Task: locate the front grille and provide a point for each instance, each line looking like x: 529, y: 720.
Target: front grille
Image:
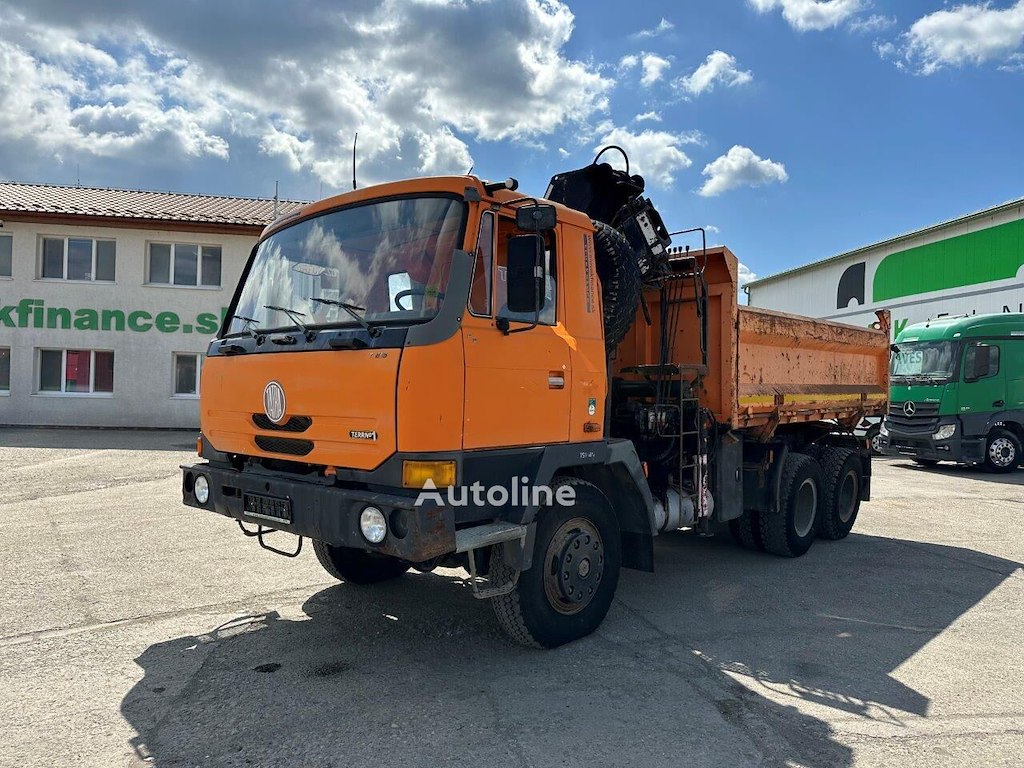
x: 285, y: 445
x: 294, y: 424
x: 925, y: 418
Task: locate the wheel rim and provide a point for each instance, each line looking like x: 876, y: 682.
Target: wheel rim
x: 574, y: 565
x: 1001, y: 451
x: 805, y: 507
x: 848, y: 493
x: 876, y: 443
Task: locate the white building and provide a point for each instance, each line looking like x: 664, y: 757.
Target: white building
x: 971, y: 265
x: 108, y: 299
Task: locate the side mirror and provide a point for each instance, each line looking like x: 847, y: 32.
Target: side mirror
x: 524, y: 276
x: 536, y: 218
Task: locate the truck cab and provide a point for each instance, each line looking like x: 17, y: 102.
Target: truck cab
x: 957, y: 392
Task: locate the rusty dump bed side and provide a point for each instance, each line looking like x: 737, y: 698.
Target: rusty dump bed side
x: 764, y: 368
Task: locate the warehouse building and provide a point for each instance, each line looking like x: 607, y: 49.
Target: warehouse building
x: 109, y: 297
x: 970, y: 265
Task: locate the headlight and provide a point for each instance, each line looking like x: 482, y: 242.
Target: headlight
x: 883, y: 430
x: 373, y: 525
x: 945, y: 432
x: 201, y: 489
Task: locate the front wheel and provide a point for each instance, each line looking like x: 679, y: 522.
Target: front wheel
x: 1002, y: 451
x: 875, y: 439
x: 567, y: 592
x: 356, y: 566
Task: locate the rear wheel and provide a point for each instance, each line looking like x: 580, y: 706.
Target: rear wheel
x: 791, y: 530
x: 566, y: 594
x: 746, y: 530
x: 356, y: 566
x: 1002, y: 451
x: 842, y: 478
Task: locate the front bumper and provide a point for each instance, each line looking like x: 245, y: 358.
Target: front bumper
x: 957, y: 448
x: 328, y: 513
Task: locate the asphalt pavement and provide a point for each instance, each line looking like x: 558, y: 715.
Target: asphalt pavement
x: 135, y: 631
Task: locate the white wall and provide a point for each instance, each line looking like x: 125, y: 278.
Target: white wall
x: 143, y: 365
x: 813, y: 292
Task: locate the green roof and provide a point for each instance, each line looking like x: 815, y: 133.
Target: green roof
x: 972, y: 326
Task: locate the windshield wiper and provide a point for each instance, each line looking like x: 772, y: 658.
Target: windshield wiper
x: 256, y: 335
x: 294, y: 316
x: 352, y: 309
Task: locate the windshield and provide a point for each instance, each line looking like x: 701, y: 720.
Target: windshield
x: 930, y: 360
x: 385, y: 261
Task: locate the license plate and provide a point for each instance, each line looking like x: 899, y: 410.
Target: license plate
x: 267, y: 507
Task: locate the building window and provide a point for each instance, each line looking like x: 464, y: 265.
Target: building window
x: 76, y: 371
x: 5, y: 370
x: 6, y: 251
x: 77, y: 258
x: 184, y: 264
x: 187, y: 368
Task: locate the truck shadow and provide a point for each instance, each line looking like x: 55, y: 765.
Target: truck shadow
x: 706, y: 659
x: 971, y: 472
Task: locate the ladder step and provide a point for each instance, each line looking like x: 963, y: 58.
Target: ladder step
x: 485, y: 535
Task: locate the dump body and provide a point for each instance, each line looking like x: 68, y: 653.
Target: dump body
x: 763, y: 368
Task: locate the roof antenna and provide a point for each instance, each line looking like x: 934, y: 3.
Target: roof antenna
x: 78, y: 174
x: 470, y: 171
x: 354, y: 142
x: 275, y: 200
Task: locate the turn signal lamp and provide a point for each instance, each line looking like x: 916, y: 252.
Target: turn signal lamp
x: 416, y: 473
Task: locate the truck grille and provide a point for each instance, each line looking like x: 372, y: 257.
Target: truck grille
x: 294, y: 424
x: 924, y: 419
x: 285, y: 445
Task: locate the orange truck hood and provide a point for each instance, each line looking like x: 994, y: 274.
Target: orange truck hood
x: 348, y: 395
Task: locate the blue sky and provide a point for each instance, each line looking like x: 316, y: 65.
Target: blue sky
x: 796, y: 128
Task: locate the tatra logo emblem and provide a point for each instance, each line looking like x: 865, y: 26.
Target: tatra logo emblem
x: 909, y: 408
x: 274, y: 402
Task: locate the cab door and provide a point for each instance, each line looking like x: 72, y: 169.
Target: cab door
x: 517, y: 384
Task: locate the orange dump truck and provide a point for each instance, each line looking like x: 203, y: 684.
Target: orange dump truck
x: 444, y: 372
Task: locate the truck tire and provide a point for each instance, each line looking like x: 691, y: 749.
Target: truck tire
x: 746, y: 530
x: 874, y: 437
x: 619, y: 272
x: 790, y: 531
x: 567, y: 592
x: 1002, y: 451
x: 355, y: 566
x: 842, y: 478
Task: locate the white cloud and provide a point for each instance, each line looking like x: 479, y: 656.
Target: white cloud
x: 740, y: 167
x: 965, y: 34
x: 745, y: 275
x: 654, y: 67
x: 150, y: 80
x: 811, y: 15
x: 661, y: 28
x: 652, y: 116
x: 873, y: 24
x: 711, y: 229
x: 718, y: 67
x: 655, y: 155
